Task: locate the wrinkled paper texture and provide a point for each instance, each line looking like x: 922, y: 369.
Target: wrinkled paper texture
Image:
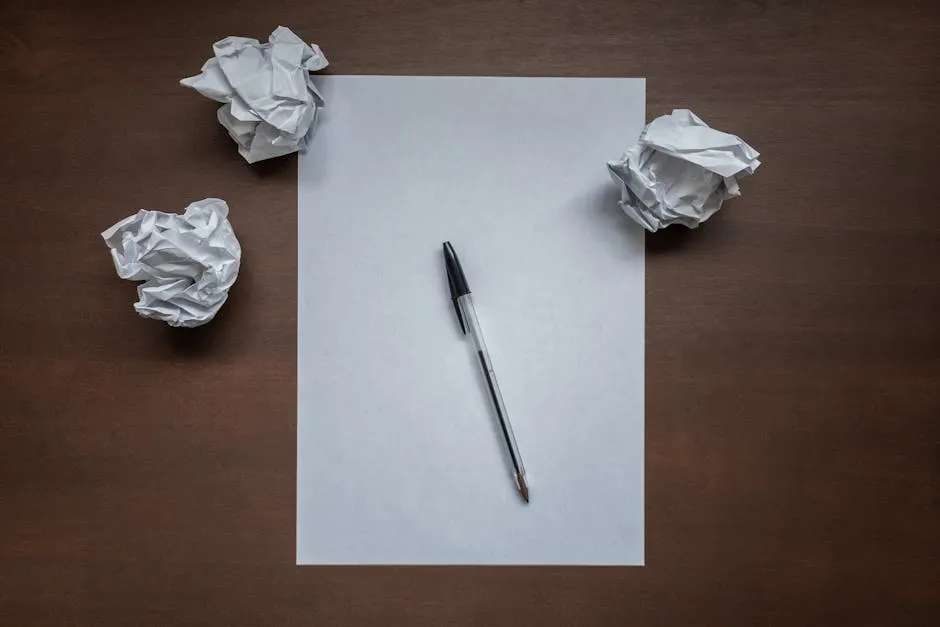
x: 187, y: 262
x: 680, y: 171
x: 270, y: 103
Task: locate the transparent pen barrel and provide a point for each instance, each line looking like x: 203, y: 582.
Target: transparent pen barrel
x: 465, y: 303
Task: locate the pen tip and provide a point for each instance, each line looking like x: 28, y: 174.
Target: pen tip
x: 523, y: 488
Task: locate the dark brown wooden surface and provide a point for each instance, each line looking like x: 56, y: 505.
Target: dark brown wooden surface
x: 147, y: 474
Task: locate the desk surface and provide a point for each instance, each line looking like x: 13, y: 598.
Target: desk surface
x: 793, y: 364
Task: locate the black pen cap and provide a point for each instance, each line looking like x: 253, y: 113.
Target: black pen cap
x: 456, y: 280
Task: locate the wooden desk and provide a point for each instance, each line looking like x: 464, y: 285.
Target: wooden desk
x: 793, y: 365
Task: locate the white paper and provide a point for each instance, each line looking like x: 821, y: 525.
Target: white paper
x: 399, y: 458
x: 680, y: 171
x: 270, y: 102
x: 187, y: 262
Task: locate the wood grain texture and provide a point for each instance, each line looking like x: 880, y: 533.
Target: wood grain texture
x: 147, y: 474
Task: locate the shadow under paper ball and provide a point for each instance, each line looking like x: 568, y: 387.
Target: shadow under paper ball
x: 713, y: 233
x: 284, y: 166
x: 216, y: 336
x: 669, y: 240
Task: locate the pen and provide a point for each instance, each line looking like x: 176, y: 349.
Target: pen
x: 469, y: 323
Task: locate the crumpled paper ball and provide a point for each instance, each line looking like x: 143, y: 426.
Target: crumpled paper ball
x: 680, y: 171
x: 270, y: 102
x: 187, y: 262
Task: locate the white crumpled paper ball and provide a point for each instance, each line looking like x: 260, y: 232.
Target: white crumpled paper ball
x: 680, y: 171
x: 270, y: 102
x: 187, y: 262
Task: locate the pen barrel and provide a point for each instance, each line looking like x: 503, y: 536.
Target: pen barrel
x: 465, y: 303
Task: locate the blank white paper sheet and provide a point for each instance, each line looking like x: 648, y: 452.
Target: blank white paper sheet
x: 399, y: 456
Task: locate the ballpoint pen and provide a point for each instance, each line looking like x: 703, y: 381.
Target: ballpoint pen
x: 470, y: 324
